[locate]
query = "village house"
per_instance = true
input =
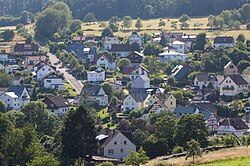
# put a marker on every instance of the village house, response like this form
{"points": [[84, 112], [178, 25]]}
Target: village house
{"points": [[230, 69], [43, 69], [51, 81], [135, 58], [181, 72], [202, 80], [57, 104], [106, 60], [26, 49], [169, 48], [233, 126], [96, 76], [32, 60], [233, 85], [109, 41], [78, 38], [77, 48], [167, 56], [154, 108], [135, 37], [116, 144], [15, 97], [141, 81], [97, 95], [133, 72], [211, 95], [122, 81], [180, 46], [167, 99], [224, 41], [210, 117], [7, 58], [121, 50], [188, 39], [135, 101], [116, 86]]}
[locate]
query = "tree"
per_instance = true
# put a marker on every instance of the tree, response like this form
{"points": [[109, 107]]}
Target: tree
{"points": [[43, 121], [143, 156], [123, 62], [89, 17], [106, 164], [132, 159], [56, 18], [127, 21], [5, 78], [8, 35], [161, 24], [135, 46], [211, 21], [34, 94], [241, 38], [163, 41], [194, 149], [152, 49], [200, 42], [174, 24], [149, 10], [242, 65], [138, 24], [75, 25], [184, 18], [47, 160], [107, 32], [191, 127], [78, 134], [3, 107]]}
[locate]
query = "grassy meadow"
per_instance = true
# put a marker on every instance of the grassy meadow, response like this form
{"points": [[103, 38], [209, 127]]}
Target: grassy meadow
{"points": [[225, 157], [151, 26]]}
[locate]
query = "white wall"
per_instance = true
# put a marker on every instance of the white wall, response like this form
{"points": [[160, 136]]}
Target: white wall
{"points": [[43, 71]]}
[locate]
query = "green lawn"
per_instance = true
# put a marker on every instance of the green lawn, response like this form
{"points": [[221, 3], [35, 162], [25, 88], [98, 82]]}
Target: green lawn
{"points": [[71, 90], [241, 161], [103, 113]]}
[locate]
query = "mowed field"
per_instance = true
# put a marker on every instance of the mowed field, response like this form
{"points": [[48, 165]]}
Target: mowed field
{"points": [[226, 157], [151, 26]]}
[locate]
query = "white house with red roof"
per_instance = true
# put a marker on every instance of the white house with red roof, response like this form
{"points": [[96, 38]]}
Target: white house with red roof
{"points": [[133, 72], [106, 60]]}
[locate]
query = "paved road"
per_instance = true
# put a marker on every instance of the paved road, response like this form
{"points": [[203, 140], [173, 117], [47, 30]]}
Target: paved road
{"points": [[77, 85]]}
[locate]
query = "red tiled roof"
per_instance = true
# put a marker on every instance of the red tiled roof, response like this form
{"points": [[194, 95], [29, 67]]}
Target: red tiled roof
{"points": [[25, 47], [105, 55]]}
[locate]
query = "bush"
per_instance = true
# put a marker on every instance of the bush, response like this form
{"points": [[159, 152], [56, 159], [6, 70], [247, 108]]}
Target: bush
{"points": [[177, 149]]}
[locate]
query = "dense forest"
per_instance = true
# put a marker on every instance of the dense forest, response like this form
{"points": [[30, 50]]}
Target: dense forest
{"points": [[104, 9]]}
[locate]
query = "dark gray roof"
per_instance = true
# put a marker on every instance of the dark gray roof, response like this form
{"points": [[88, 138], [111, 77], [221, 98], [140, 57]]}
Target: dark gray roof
{"points": [[204, 106], [206, 77], [179, 111], [120, 48], [238, 79], [180, 72], [139, 97], [57, 101], [93, 90], [224, 39], [17, 89], [77, 48], [237, 123]]}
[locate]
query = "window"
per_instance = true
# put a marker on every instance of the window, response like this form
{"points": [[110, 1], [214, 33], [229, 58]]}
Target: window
{"points": [[121, 150], [171, 103], [115, 143], [111, 151], [125, 142]]}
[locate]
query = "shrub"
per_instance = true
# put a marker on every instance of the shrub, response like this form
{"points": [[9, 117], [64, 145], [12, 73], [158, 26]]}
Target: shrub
{"points": [[177, 149]]}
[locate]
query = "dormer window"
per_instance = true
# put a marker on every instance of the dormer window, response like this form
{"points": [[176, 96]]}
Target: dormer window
{"points": [[125, 142]]}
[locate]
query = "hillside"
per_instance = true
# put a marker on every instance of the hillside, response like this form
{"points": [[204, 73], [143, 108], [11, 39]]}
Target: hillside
{"points": [[104, 9]]}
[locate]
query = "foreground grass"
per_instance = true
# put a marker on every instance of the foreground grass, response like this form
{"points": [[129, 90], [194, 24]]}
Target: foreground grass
{"points": [[241, 161], [210, 158], [71, 90]]}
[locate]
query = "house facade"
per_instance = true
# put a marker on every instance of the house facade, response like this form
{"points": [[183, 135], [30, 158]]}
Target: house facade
{"points": [[43, 70], [180, 46], [121, 50], [133, 72], [233, 85], [26, 49], [96, 76], [116, 144], [105, 60], [135, 37], [109, 41], [97, 95], [233, 126], [167, 99], [167, 56], [224, 41], [15, 97], [135, 101], [230, 69], [135, 58], [202, 80], [52, 81], [141, 81], [57, 104], [4, 57]]}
